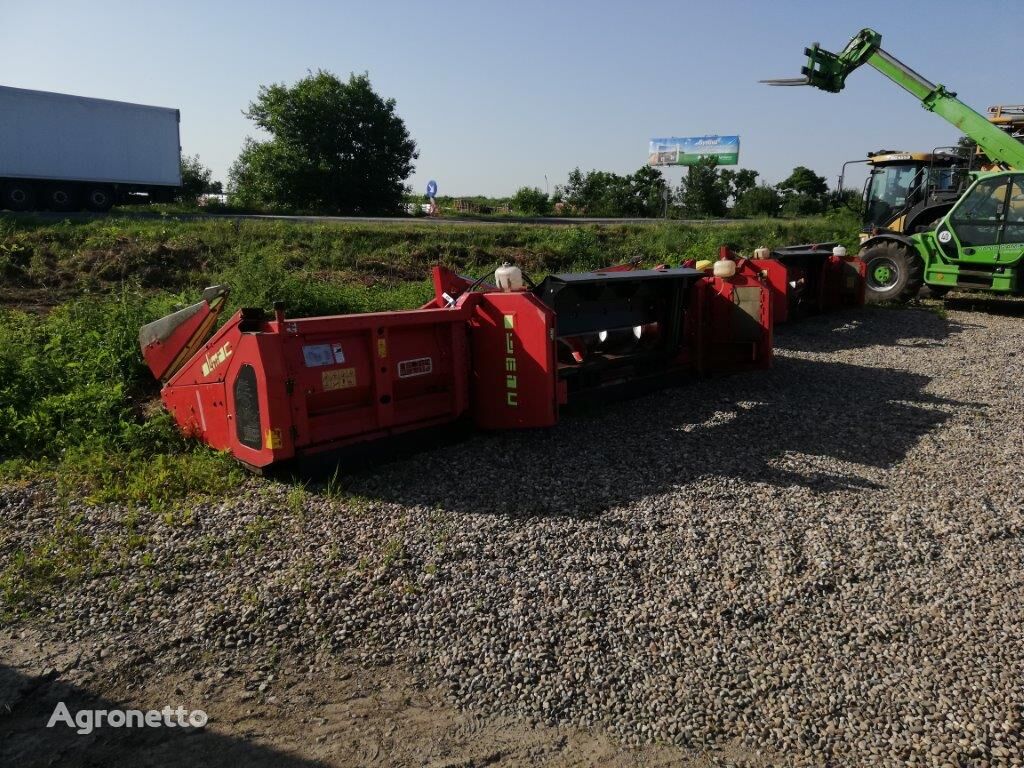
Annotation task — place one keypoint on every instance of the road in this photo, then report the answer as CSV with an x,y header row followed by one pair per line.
x,y
481,221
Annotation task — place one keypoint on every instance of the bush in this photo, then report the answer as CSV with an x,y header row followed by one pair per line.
x,y
530,201
762,201
803,205
196,179
75,396
68,378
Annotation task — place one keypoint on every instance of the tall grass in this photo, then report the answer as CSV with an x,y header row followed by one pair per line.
x,y
178,255
76,404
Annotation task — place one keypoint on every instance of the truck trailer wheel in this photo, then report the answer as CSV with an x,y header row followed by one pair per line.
x,y
62,198
894,272
99,199
17,196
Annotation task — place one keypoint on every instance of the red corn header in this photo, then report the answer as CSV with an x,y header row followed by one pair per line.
x,y
271,388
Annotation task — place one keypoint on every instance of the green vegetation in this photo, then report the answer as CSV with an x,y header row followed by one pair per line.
x,y
530,201
601,193
196,179
335,147
344,267
75,404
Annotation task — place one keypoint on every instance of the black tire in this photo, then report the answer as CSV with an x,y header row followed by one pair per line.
x,y
99,199
62,198
18,196
894,272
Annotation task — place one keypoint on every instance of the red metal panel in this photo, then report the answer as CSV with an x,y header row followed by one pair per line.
x,y
842,283
773,273
360,376
726,338
200,412
514,367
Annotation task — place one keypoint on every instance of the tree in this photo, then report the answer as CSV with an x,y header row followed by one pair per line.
x,y
738,182
335,147
601,193
195,178
648,188
758,201
804,193
804,181
702,192
968,149
530,201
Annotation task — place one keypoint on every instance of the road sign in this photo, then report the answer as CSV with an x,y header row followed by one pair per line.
x,y
431,188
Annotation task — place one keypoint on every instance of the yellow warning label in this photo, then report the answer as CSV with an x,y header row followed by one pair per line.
x,y
510,321
274,439
382,347
339,378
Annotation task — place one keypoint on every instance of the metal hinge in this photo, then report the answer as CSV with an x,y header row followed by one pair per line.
x,y
289,385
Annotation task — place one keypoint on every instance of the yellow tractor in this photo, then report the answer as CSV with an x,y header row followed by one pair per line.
x,y
907,192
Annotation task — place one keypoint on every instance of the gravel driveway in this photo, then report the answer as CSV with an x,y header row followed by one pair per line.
x,y
818,564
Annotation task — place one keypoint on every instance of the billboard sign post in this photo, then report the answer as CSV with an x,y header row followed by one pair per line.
x,y
675,150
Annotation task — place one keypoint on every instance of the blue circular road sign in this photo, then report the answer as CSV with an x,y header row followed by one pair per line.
x,y
431,188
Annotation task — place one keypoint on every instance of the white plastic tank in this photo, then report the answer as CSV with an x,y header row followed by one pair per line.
x,y
725,268
840,251
762,253
509,277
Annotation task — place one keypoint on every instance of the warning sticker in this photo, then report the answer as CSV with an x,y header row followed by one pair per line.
x,y
420,366
339,354
339,378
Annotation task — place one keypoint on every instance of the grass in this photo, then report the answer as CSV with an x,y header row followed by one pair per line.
x,y
76,405
347,266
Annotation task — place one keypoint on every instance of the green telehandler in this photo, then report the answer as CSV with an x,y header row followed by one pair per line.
x,y
979,243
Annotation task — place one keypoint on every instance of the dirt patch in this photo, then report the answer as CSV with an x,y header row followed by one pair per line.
x,y
329,714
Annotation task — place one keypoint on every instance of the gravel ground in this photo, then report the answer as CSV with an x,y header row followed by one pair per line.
x,y
818,564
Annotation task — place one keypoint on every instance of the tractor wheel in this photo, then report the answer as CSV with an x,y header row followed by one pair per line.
x,y
894,272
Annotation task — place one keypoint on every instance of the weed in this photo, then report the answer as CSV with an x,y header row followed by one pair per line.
x,y
66,555
296,500
254,533
334,488
392,552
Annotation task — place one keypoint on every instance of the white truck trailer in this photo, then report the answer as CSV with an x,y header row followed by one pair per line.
x,y
64,153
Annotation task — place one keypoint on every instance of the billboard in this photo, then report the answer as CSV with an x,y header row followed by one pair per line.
x,y
674,150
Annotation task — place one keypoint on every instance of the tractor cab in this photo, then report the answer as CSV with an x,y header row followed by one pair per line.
x,y
981,240
903,189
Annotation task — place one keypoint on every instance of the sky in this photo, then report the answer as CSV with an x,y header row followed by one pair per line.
x,y
510,94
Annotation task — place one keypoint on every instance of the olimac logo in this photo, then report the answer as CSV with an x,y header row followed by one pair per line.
x,y
511,378
210,362
85,721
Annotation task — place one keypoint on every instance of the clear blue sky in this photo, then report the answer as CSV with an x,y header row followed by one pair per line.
x,y
499,94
